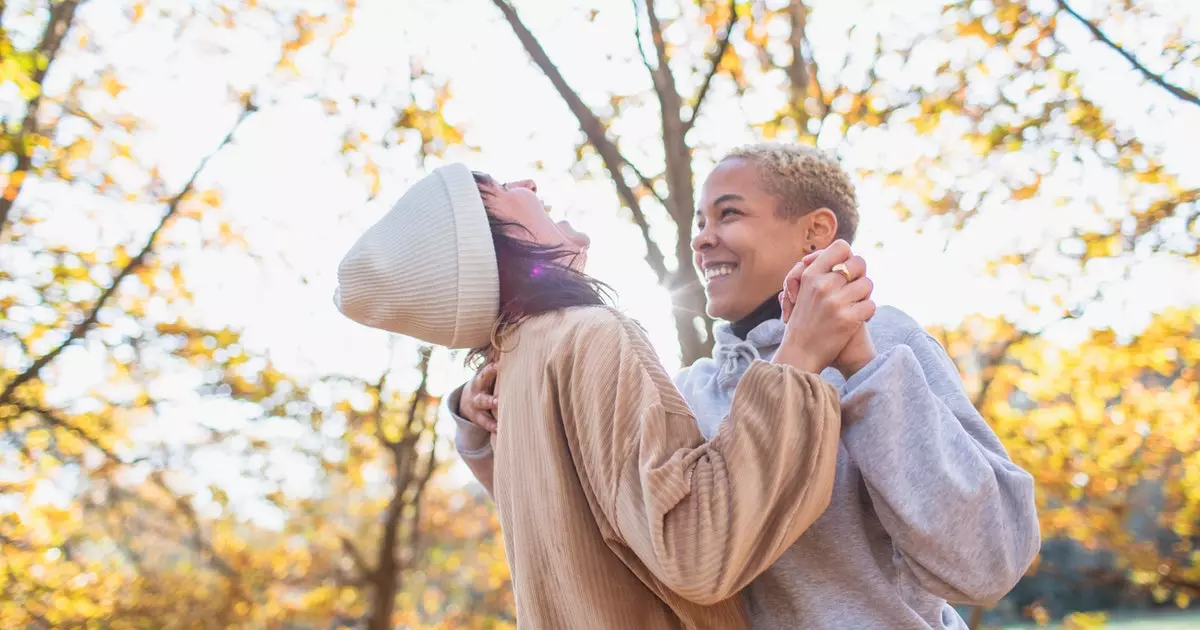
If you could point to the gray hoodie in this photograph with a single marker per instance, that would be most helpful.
(927, 506)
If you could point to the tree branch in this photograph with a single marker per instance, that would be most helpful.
(414, 531)
(714, 60)
(360, 563)
(61, 16)
(34, 370)
(637, 35)
(377, 412)
(647, 183)
(1137, 65)
(55, 420)
(593, 128)
(660, 47)
(816, 80)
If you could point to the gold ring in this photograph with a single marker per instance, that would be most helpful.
(845, 271)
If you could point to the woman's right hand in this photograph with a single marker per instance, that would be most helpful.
(821, 309)
(478, 402)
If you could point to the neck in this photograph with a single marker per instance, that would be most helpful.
(766, 311)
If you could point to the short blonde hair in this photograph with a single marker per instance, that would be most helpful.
(804, 179)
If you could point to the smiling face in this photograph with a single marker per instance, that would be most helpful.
(743, 246)
(518, 203)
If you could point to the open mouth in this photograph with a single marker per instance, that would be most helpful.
(718, 270)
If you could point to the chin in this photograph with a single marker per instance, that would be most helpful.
(717, 310)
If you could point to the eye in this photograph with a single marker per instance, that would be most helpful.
(728, 212)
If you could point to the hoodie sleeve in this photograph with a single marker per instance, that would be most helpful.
(959, 511)
(473, 444)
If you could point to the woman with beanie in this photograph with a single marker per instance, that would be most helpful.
(616, 512)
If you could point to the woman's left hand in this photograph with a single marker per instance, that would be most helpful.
(860, 350)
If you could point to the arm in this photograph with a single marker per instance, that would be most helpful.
(705, 517)
(959, 511)
(474, 445)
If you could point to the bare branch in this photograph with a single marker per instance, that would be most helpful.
(648, 183)
(198, 540)
(377, 412)
(637, 36)
(61, 16)
(34, 370)
(714, 60)
(998, 357)
(52, 418)
(593, 128)
(1137, 65)
(660, 48)
(360, 562)
(414, 535)
(422, 392)
(813, 76)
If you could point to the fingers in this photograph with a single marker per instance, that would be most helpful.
(482, 411)
(856, 266)
(856, 291)
(485, 401)
(837, 252)
(485, 378)
(861, 311)
(791, 282)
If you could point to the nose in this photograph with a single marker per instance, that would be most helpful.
(703, 240)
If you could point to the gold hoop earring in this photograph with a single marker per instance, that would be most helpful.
(493, 338)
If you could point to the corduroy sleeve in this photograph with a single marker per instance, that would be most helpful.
(706, 517)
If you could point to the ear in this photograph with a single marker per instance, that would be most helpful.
(822, 227)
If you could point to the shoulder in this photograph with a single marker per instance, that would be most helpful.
(893, 327)
(586, 328)
(587, 322)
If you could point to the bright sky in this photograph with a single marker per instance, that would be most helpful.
(295, 198)
(285, 182)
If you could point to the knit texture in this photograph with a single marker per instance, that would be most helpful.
(616, 512)
(427, 269)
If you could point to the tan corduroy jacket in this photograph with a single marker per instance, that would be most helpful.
(616, 513)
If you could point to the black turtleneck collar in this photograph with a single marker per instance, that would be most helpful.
(766, 311)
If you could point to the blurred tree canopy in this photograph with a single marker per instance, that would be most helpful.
(105, 364)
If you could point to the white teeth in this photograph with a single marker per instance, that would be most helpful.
(717, 271)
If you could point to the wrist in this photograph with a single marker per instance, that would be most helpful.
(794, 355)
(850, 368)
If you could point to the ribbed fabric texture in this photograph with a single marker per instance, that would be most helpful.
(427, 269)
(616, 512)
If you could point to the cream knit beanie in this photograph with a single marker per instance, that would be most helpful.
(427, 269)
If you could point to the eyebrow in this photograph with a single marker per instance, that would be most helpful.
(722, 199)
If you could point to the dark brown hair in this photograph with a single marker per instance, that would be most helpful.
(534, 278)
